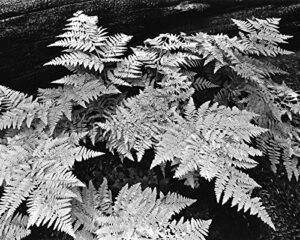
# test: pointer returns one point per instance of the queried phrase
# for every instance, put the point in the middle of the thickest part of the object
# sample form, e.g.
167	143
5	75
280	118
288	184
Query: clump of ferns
213	141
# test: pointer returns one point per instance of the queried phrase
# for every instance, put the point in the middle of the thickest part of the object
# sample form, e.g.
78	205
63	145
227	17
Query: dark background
27	27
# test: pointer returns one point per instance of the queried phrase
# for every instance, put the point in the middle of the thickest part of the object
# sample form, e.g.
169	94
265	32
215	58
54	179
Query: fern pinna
42	136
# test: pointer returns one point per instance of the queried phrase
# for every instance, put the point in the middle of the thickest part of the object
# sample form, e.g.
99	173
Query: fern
232	183
51	105
261	38
14	228
179	59
212	141
78	92
135	214
129	68
36	169
41	135
115	47
272	102
88	46
18	109
201	84
168	42
134	124
82	33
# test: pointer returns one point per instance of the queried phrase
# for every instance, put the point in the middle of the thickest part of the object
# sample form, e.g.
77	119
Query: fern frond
14	228
175	85
77	58
15	193
190	229
117	80
138	213
180	59
87	45
114	47
55	212
232	183
135	214
18	109
136	123
82	33
272	102
267	144
263	36
168	42
84	154
41	177
129	68
75	80
79	88
290	163
149	57
207	141
200	84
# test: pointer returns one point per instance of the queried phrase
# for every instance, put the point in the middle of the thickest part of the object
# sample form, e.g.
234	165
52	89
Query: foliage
42	137
277	106
135	214
212	141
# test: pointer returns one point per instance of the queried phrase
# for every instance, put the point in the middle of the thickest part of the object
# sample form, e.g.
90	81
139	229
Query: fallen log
27	27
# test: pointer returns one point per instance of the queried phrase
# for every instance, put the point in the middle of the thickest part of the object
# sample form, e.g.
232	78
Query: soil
280	196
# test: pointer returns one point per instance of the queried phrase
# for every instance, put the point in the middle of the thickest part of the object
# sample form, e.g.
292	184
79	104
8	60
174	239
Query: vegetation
43	136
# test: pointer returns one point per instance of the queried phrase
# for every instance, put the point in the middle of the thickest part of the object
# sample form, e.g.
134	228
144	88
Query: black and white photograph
149	119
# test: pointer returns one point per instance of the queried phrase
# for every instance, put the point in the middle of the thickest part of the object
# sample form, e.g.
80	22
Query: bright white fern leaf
179	59
136	123
82	33
135	214
232	183
114	47
87	45
13	228
36	169
175	85
129	69
261	38
201	84
17	108
212	141
52	105
169	42
78	59
80	88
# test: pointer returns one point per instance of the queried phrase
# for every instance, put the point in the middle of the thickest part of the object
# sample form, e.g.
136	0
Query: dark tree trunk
27	27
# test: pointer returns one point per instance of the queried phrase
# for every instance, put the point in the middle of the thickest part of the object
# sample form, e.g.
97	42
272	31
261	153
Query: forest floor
280	196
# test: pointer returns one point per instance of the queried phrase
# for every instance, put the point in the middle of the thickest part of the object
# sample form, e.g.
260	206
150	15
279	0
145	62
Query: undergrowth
248	115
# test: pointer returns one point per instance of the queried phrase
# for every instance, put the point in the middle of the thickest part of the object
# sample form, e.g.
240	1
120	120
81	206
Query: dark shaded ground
280	197
28	27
